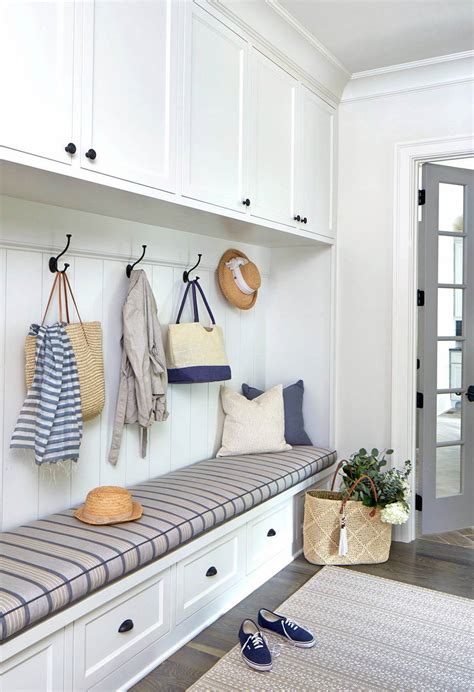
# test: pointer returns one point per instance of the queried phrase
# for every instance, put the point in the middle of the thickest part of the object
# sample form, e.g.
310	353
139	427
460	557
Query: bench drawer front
120	629
202	577
269	535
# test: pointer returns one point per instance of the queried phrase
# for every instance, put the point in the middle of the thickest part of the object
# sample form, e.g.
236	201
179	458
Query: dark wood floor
433	565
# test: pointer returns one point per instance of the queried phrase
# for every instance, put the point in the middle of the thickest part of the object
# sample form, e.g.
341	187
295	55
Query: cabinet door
36	77
39	667
272	141
314	170
129	89
214	143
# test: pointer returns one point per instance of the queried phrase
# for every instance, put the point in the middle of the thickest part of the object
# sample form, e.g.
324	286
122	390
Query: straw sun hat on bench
109	504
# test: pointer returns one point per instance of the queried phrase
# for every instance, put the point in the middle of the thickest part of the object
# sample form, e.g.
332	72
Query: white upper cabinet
129	90
272	141
36	77
314	170
215	108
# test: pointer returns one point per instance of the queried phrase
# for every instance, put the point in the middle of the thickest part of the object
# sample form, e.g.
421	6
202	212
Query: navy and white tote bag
196	353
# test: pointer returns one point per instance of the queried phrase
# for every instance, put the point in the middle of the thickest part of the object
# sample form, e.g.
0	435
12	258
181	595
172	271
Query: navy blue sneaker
254	648
284	627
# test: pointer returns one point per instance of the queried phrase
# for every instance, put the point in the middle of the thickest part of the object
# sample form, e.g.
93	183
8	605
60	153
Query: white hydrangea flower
394	513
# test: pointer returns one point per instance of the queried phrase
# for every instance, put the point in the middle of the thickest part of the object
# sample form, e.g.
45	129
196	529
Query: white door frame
404	316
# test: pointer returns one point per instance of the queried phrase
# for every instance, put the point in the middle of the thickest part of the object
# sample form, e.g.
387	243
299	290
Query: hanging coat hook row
187	272
131	266
53	261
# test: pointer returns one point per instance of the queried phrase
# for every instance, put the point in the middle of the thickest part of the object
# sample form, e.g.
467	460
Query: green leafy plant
392	485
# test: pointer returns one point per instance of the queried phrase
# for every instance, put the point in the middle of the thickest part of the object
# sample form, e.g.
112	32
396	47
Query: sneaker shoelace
256	640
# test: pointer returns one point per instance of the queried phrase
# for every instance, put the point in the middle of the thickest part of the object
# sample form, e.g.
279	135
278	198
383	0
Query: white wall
369	129
299	340
100	249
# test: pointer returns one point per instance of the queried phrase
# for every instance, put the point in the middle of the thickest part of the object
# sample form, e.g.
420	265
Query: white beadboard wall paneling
3	276
23	290
299	333
220	308
160	438
89	287
100	249
199	403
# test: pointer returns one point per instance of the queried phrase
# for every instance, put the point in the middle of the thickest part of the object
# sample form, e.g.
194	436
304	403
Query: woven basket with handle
368	538
86	342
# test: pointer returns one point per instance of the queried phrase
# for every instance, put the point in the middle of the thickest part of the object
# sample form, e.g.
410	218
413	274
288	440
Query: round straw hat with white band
239	279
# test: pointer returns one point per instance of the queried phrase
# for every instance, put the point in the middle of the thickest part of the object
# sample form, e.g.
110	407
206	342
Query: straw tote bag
86	342
341	531
196	353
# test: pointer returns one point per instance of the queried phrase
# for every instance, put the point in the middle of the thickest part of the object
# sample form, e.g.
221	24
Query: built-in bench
50	564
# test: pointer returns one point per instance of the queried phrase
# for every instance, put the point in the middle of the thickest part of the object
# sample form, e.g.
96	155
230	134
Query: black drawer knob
305	220
246	202
470	393
126	626
71	148
91	154
297	217
271	533
211	572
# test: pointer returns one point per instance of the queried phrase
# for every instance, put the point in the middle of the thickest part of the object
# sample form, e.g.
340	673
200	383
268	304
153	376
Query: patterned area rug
372	634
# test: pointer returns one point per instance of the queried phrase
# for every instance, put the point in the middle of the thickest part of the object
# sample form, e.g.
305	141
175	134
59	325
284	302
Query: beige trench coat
143	375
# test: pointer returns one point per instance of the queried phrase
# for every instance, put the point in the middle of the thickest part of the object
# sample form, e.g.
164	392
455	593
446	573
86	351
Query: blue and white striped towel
50	421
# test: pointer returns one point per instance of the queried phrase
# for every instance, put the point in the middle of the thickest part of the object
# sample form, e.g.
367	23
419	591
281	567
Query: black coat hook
187	272
131	266
53	261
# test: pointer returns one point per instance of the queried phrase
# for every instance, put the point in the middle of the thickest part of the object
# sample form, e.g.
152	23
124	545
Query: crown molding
412	65
270	50
307	35
405	90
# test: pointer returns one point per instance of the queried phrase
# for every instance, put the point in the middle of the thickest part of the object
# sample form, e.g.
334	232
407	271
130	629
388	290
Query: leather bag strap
67	287
353	487
55	282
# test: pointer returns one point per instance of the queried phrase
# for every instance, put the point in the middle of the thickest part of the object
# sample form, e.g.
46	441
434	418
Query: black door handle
211	572
126	626
71	148
297	217
271	533
305	220
91	154
470	393
246	202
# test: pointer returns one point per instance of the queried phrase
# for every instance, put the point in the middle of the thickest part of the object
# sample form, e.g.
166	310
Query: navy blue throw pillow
295	433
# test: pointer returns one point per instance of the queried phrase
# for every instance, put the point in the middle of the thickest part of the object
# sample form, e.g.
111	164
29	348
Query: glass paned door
446	348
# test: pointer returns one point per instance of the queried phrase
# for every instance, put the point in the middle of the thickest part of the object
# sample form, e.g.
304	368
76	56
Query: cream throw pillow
253	427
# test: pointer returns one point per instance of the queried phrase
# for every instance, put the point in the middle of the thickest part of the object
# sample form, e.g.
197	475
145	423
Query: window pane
449	365
450	260
450	311
448	418
451	203
448	471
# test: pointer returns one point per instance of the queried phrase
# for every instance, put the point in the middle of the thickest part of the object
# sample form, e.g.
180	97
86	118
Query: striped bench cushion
48	564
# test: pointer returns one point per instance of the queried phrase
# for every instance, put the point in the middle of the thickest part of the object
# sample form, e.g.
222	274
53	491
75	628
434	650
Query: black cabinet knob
271	533
126	626
297	217
470	393
71	148
305	220
246	202
211	572
91	154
